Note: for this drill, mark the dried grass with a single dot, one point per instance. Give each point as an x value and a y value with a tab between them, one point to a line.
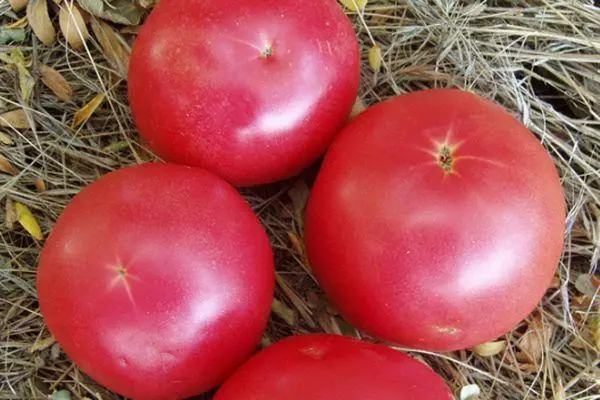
540	59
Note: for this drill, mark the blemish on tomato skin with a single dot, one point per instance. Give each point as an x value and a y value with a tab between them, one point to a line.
316	353
447	330
123	362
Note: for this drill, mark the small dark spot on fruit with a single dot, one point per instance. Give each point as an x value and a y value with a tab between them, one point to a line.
123	362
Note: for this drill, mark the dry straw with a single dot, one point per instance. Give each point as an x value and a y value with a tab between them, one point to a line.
539	59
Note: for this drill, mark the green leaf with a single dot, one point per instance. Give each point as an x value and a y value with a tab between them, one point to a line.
124	12
26	81
61	395
8	36
116	147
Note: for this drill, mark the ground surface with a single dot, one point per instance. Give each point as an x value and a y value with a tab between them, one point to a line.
540	59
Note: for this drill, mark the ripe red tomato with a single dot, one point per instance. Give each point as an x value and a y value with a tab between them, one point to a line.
436	221
157	281
327	367
252	90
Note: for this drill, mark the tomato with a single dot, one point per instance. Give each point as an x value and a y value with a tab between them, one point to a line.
252	90
436	221
157	281
326	367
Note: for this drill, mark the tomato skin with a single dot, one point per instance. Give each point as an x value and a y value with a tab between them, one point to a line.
199	280
202	95
326	367
427	258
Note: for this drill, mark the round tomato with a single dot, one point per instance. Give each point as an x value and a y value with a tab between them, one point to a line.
251	90
436	221
157	281
326	367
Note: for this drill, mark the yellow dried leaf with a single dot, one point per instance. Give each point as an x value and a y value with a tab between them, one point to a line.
72	25
284	312
355	5
40	185
42	344
7	167
5	139
18	24
84	113
595	331
11	215
39	20
490	349
15	119
18	5
375	58
112	46
56	82
28	221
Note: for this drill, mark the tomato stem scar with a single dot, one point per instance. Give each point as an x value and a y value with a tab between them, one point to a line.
445	159
267	50
121	271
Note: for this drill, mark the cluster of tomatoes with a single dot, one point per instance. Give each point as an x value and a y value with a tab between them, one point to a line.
436	220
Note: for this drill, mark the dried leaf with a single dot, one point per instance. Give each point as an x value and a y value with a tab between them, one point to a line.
355	5
595	331
490	349
300	305
39	20
18	5
555	283
375	58
15	119
113	48
18	24
40	185
299	194
147	3
533	342
581	302
10	216
124	12
72	25
470	392
7	167
358	108
55	351
42	344
84	113
56	82
28	221
5	139
296	243
284	312
133	30
584	285
8	36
